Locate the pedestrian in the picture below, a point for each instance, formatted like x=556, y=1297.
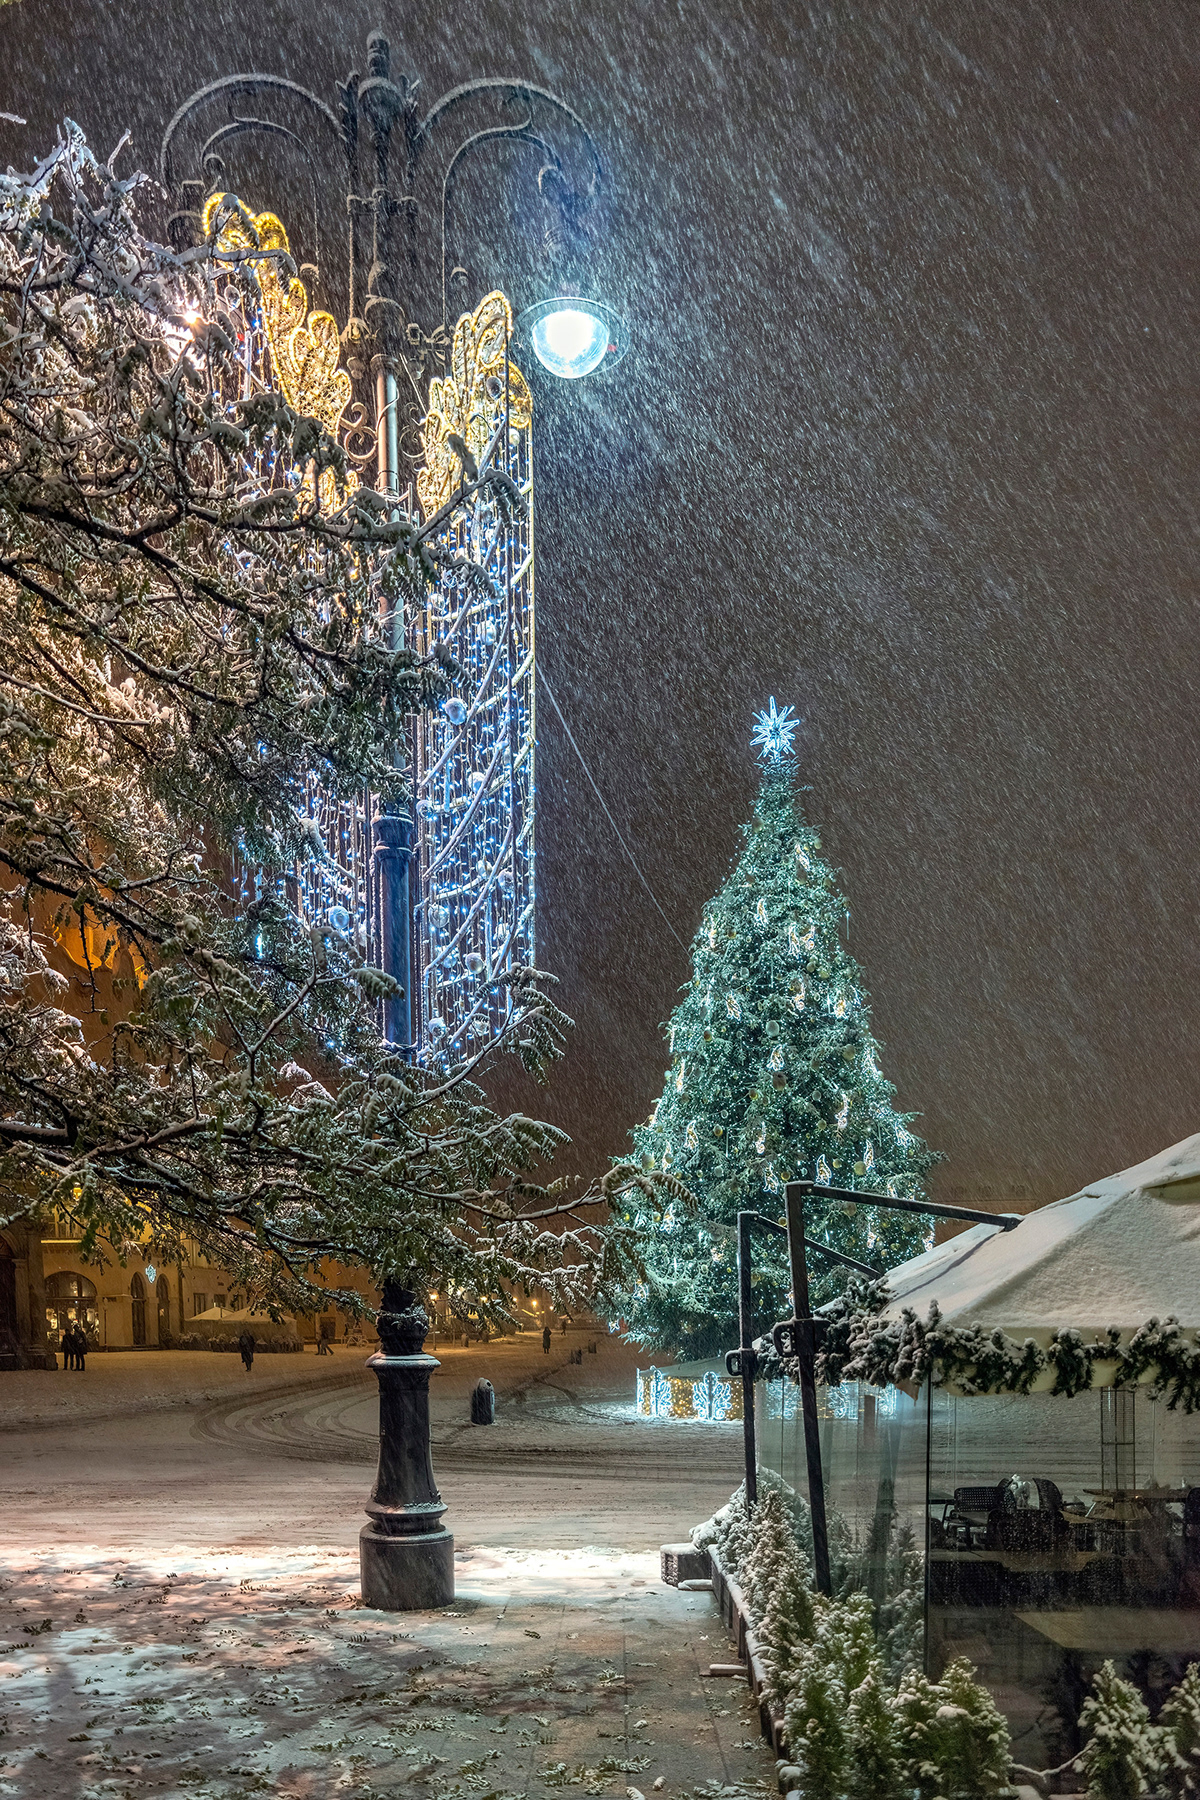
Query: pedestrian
x=81, y=1347
x=64, y=1344
x=246, y=1346
x=546, y=1339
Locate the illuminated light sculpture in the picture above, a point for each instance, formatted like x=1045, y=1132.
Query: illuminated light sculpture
x=297, y=351
x=474, y=766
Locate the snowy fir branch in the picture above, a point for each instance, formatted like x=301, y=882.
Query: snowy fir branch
x=200, y=612
x=861, y=1343
x=774, y=1076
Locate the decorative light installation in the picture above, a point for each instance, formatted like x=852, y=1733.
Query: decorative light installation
x=287, y=347
x=474, y=773
x=708, y=1396
x=773, y=733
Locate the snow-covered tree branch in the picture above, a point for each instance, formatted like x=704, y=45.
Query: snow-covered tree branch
x=197, y=609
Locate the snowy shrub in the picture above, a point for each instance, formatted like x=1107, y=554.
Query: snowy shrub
x=874, y=1770
x=860, y=1721
x=1179, y=1722
x=1124, y=1752
x=816, y=1731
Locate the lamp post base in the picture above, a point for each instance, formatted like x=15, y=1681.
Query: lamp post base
x=406, y=1574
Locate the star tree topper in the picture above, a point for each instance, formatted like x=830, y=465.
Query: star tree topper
x=773, y=733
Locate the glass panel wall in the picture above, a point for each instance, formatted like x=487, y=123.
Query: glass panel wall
x=1039, y=1535
x=1061, y=1533
x=874, y=1445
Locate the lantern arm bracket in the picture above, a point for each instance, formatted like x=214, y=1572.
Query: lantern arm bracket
x=507, y=90
x=226, y=87
x=521, y=133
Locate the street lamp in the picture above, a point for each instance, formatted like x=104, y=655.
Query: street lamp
x=572, y=336
x=400, y=172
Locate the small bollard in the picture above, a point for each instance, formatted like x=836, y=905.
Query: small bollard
x=483, y=1403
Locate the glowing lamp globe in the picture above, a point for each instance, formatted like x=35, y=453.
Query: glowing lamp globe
x=572, y=337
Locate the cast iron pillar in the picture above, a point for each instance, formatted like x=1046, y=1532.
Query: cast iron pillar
x=393, y=833
x=405, y=1556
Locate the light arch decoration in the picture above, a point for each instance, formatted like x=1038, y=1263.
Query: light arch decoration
x=474, y=776
x=296, y=350
x=474, y=852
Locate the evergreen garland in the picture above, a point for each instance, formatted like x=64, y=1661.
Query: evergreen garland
x=862, y=1344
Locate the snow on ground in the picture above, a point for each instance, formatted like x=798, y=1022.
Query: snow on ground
x=179, y=1609
x=223, y=1675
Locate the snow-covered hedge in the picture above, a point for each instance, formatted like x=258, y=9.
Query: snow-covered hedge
x=861, y=1722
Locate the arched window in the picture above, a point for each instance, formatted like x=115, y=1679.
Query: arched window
x=137, y=1289
x=71, y=1300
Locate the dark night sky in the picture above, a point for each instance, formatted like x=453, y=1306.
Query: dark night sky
x=906, y=438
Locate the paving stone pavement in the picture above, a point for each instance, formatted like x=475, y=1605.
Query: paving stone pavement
x=221, y=1674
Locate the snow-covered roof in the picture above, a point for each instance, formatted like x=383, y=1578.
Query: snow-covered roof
x=1119, y=1252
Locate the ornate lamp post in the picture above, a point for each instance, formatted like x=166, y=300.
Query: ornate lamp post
x=406, y=1557
x=400, y=168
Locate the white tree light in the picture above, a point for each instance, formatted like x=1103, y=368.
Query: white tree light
x=474, y=775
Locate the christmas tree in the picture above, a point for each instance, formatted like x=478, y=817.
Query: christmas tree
x=774, y=1077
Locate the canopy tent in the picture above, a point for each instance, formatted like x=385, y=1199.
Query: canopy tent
x=1119, y=1252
